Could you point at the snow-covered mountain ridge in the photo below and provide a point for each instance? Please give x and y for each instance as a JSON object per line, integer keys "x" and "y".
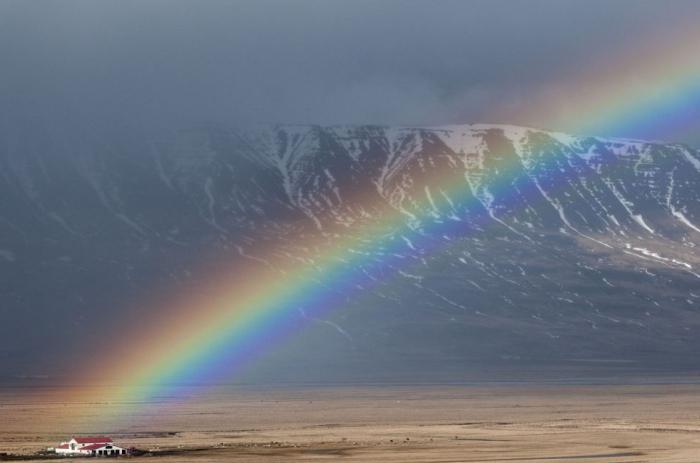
{"x": 572, "y": 247}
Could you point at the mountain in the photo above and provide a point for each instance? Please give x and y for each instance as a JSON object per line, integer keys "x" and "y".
{"x": 568, "y": 253}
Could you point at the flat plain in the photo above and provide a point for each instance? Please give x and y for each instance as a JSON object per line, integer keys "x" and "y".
{"x": 446, "y": 424}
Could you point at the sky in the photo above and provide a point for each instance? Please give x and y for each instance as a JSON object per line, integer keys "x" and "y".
{"x": 186, "y": 63}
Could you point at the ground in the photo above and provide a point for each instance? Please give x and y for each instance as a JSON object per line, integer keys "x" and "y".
{"x": 446, "y": 424}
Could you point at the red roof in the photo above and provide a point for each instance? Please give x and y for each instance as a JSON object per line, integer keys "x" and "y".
{"x": 62, "y": 446}
{"x": 92, "y": 440}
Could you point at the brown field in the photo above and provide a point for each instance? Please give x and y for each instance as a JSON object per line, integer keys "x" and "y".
{"x": 611, "y": 424}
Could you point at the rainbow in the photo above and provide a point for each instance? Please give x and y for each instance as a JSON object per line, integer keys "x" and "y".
{"x": 650, "y": 87}
{"x": 236, "y": 313}
{"x": 211, "y": 330}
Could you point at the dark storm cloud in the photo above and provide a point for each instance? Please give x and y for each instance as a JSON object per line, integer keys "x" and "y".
{"x": 394, "y": 62}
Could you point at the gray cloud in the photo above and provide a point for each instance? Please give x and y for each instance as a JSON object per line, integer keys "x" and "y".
{"x": 393, "y": 62}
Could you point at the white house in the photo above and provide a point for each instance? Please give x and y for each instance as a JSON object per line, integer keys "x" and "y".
{"x": 91, "y": 446}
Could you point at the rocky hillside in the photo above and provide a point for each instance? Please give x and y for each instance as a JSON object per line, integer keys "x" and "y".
{"x": 571, "y": 252}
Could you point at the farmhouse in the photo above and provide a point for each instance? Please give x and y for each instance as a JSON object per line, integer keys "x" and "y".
{"x": 90, "y": 446}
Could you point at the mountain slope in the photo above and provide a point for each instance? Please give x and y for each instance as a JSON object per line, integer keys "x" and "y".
{"x": 565, "y": 250}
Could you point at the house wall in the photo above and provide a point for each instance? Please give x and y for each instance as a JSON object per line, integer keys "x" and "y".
{"x": 111, "y": 450}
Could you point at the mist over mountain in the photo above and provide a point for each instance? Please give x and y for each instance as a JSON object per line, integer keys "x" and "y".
{"x": 586, "y": 258}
